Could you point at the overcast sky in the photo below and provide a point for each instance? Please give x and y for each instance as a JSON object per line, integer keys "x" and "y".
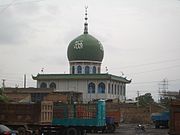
{"x": 141, "y": 38}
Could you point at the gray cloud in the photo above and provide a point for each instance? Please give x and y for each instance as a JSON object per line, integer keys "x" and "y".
{"x": 15, "y": 23}
{"x": 10, "y": 30}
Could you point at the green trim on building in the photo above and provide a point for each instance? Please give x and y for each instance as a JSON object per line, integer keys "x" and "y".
{"x": 80, "y": 77}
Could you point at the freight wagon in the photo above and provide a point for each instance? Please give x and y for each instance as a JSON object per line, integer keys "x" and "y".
{"x": 174, "y": 128}
{"x": 26, "y": 117}
{"x": 57, "y": 118}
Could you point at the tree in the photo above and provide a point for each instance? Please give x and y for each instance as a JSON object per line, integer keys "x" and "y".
{"x": 1, "y": 91}
{"x": 3, "y": 98}
{"x": 165, "y": 101}
{"x": 145, "y": 99}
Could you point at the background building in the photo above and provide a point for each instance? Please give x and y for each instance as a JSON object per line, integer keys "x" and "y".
{"x": 85, "y": 54}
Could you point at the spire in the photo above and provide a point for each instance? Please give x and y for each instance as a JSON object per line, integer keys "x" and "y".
{"x": 86, "y": 24}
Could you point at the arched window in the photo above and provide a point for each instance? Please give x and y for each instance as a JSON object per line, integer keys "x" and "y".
{"x": 52, "y": 85}
{"x": 94, "y": 70}
{"x": 43, "y": 85}
{"x": 79, "y": 69}
{"x": 87, "y": 70}
{"x": 101, "y": 88}
{"x": 73, "y": 70}
{"x": 91, "y": 87}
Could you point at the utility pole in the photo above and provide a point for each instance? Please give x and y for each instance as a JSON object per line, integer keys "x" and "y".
{"x": 137, "y": 98}
{"x": 3, "y": 85}
{"x": 24, "y": 80}
{"x": 106, "y": 70}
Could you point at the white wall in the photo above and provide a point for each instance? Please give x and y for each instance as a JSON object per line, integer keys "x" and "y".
{"x": 82, "y": 86}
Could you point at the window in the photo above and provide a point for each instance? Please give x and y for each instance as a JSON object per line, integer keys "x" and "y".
{"x": 94, "y": 70}
{"x": 43, "y": 85}
{"x": 124, "y": 90}
{"x": 91, "y": 87}
{"x": 98, "y": 69}
{"x": 73, "y": 70}
{"x": 112, "y": 89}
{"x": 115, "y": 89}
{"x": 52, "y": 85}
{"x": 118, "y": 90}
{"x": 87, "y": 70}
{"x": 101, "y": 88}
{"x": 109, "y": 88}
{"x": 79, "y": 69}
{"x": 121, "y": 92}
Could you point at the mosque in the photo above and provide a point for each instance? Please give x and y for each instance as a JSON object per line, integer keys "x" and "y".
{"x": 85, "y": 54}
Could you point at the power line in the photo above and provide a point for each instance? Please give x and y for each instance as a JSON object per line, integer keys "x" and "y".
{"x": 146, "y": 64}
{"x": 22, "y": 2}
{"x": 20, "y": 81}
{"x": 7, "y": 6}
{"x": 13, "y": 3}
{"x": 159, "y": 69}
{"x": 155, "y": 81}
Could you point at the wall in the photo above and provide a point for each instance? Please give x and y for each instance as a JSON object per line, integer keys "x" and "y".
{"x": 134, "y": 114}
{"x": 17, "y": 97}
{"x": 82, "y": 86}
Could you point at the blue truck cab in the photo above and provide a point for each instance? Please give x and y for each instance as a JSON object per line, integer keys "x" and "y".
{"x": 161, "y": 119}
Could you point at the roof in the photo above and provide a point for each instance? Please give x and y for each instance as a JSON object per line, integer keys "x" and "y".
{"x": 80, "y": 77}
{"x": 27, "y": 90}
{"x": 67, "y": 92}
{"x": 85, "y": 47}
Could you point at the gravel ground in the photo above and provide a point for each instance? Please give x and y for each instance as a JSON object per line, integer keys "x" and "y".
{"x": 130, "y": 129}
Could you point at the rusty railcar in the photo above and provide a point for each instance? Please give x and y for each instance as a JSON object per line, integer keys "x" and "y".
{"x": 25, "y": 116}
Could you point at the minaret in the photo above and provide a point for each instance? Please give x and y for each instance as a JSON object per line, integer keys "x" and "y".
{"x": 86, "y": 24}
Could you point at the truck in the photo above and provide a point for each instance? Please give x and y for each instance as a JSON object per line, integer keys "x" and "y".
{"x": 113, "y": 116}
{"x": 55, "y": 118}
{"x": 160, "y": 119}
{"x": 26, "y": 117}
{"x": 174, "y": 125}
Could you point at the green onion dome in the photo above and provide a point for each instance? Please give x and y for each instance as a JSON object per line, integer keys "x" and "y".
{"x": 85, "y": 47}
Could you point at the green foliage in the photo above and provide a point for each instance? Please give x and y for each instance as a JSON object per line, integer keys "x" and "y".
{"x": 3, "y": 98}
{"x": 165, "y": 101}
{"x": 145, "y": 99}
{"x": 1, "y": 91}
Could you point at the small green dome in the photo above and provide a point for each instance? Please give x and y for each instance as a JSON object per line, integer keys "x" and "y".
{"x": 85, "y": 47}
